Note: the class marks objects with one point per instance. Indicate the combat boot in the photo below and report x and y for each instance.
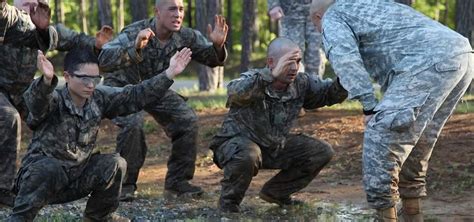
(387, 215)
(128, 193)
(282, 202)
(183, 189)
(411, 210)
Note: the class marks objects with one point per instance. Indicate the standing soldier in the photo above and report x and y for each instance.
(295, 24)
(141, 51)
(255, 135)
(20, 38)
(423, 67)
(60, 165)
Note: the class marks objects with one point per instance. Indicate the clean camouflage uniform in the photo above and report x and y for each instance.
(19, 44)
(297, 26)
(60, 166)
(129, 66)
(256, 135)
(423, 68)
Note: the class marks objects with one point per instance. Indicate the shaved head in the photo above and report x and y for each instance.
(279, 46)
(159, 3)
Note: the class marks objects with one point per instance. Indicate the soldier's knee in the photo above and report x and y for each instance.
(248, 159)
(323, 151)
(45, 169)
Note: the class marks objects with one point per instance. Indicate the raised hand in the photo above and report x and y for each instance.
(143, 37)
(104, 35)
(219, 34)
(276, 13)
(283, 64)
(45, 67)
(41, 16)
(178, 62)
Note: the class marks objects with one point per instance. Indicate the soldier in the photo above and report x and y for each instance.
(255, 134)
(423, 68)
(60, 166)
(142, 50)
(296, 25)
(20, 38)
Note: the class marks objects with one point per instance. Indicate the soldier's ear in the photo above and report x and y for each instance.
(270, 63)
(157, 11)
(66, 76)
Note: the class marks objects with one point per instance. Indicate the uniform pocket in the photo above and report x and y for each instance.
(450, 65)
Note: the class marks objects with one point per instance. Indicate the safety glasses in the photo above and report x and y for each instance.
(87, 79)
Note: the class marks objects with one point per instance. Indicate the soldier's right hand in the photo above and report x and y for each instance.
(45, 67)
(276, 13)
(178, 62)
(142, 38)
(41, 16)
(284, 63)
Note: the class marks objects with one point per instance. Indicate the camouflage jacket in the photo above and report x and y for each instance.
(381, 39)
(120, 53)
(69, 39)
(67, 133)
(266, 116)
(298, 9)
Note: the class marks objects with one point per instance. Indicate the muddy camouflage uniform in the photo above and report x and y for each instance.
(19, 44)
(128, 66)
(60, 166)
(297, 26)
(424, 69)
(256, 135)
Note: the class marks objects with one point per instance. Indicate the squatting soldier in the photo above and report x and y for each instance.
(59, 166)
(423, 68)
(296, 25)
(142, 50)
(20, 39)
(255, 134)
(18, 54)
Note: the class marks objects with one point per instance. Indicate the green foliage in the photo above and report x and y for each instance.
(436, 9)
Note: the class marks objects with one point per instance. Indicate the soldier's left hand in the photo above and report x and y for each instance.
(219, 34)
(104, 35)
(41, 16)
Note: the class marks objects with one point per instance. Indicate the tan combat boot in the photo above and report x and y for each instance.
(411, 210)
(387, 215)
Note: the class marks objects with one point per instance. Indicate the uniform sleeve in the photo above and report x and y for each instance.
(342, 49)
(15, 21)
(323, 92)
(119, 53)
(204, 51)
(69, 39)
(120, 101)
(248, 88)
(39, 99)
(272, 4)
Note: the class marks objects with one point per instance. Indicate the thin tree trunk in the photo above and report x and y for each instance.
(189, 13)
(248, 20)
(230, 41)
(105, 13)
(83, 14)
(120, 14)
(58, 11)
(465, 23)
(139, 9)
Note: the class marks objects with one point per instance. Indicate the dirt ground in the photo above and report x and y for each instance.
(335, 195)
(450, 176)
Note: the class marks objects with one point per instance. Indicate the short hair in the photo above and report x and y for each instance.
(279, 46)
(78, 57)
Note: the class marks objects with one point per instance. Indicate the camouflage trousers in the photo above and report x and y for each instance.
(180, 124)
(300, 161)
(10, 137)
(45, 181)
(304, 33)
(400, 137)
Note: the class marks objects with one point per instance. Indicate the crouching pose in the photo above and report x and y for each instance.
(255, 134)
(60, 166)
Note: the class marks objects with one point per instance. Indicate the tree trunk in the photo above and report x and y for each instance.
(58, 11)
(139, 10)
(189, 13)
(120, 15)
(248, 21)
(465, 23)
(406, 2)
(210, 79)
(83, 14)
(105, 13)
(230, 41)
(255, 30)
